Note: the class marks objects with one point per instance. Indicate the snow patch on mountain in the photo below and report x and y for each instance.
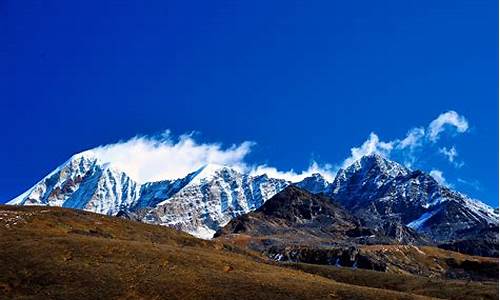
(418, 223)
(215, 195)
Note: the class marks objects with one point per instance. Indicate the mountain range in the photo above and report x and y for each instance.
(379, 196)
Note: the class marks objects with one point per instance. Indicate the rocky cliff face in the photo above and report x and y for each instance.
(299, 218)
(296, 216)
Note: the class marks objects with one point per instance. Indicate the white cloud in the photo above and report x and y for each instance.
(474, 183)
(439, 177)
(450, 118)
(291, 175)
(414, 138)
(449, 153)
(370, 146)
(147, 159)
(408, 148)
(151, 159)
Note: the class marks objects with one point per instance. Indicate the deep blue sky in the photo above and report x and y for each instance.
(305, 80)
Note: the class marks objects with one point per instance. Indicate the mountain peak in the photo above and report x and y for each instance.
(378, 163)
(375, 159)
(88, 154)
(211, 167)
(86, 160)
(208, 171)
(294, 202)
(316, 183)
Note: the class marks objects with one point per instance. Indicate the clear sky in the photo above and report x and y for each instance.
(306, 81)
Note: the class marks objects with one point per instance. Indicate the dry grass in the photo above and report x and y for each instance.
(434, 262)
(447, 289)
(54, 253)
(430, 252)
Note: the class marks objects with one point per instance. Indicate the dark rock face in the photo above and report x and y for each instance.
(482, 242)
(295, 216)
(294, 212)
(472, 270)
(124, 215)
(297, 206)
(401, 233)
(298, 226)
(348, 256)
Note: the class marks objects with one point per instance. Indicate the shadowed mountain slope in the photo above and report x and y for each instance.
(296, 216)
(297, 226)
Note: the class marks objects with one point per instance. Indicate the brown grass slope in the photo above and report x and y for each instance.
(433, 262)
(452, 289)
(54, 253)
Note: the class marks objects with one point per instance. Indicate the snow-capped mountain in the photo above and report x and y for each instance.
(83, 182)
(199, 203)
(378, 190)
(214, 196)
(381, 192)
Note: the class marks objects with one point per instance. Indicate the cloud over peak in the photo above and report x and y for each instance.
(416, 138)
(413, 139)
(451, 154)
(438, 176)
(370, 146)
(147, 159)
(449, 118)
(325, 170)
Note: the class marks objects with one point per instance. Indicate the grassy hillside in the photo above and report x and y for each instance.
(54, 253)
(449, 289)
(433, 262)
